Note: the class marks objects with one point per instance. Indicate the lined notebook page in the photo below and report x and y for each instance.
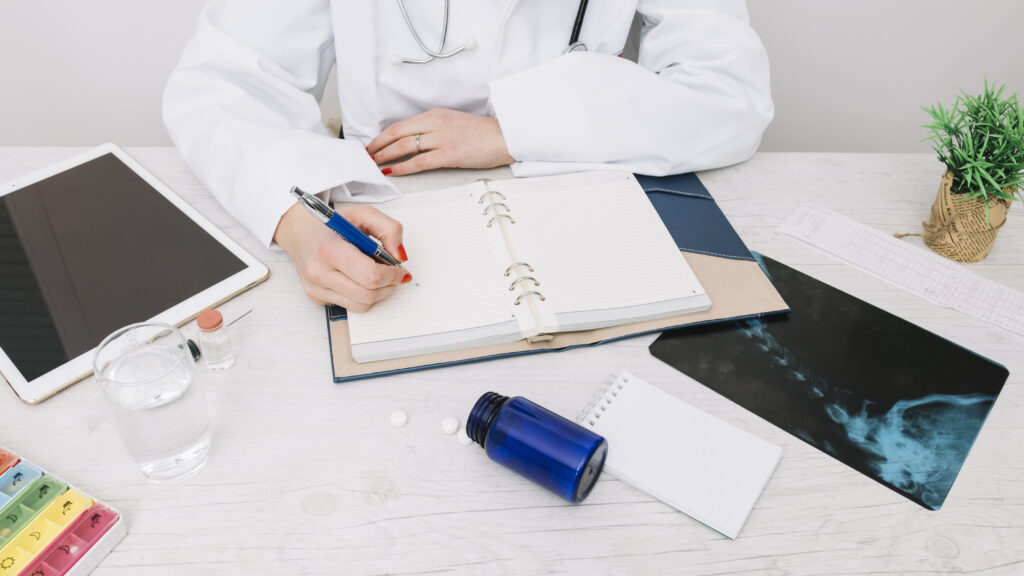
(457, 270)
(596, 242)
(698, 464)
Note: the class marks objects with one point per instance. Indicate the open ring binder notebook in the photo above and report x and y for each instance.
(529, 292)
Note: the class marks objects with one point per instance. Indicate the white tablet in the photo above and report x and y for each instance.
(92, 244)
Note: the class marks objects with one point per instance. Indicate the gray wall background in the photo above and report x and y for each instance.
(848, 75)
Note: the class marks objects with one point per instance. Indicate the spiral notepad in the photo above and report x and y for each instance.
(696, 463)
(499, 261)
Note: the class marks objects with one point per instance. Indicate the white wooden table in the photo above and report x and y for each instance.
(309, 477)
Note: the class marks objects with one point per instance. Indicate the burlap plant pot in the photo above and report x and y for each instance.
(958, 228)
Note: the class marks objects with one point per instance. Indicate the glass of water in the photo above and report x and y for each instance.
(152, 397)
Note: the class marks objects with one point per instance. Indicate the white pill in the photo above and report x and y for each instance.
(399, 418)
(450, 425)
(464, 438)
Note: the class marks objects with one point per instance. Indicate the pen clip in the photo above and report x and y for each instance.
(313, 203)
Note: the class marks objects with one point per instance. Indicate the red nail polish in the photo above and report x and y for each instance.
(386, 171)
(401, 253)
(407, 278)
(371, 157)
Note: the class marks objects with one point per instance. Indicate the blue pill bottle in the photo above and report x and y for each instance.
(554, 452)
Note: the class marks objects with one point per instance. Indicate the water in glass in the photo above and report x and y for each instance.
(158, 408)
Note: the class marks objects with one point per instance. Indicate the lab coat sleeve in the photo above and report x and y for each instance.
(698, 99)
(242, 109)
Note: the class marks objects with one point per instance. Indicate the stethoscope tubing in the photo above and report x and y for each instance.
(574, 37)
(431, 54)
(577, 25)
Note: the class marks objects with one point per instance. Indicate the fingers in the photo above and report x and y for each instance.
(401, 148)
(365, 272)
(334, 271)
(420, 163)
(337, 288)
(341, 274)
(387, 137)
(322, 295)
(377, 224)
(448, 139)
(411, 126)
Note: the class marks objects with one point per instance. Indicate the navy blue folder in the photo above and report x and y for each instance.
(725, 267)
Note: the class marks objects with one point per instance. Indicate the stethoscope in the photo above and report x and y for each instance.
(574, 43)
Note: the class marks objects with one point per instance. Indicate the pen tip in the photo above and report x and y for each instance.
(296, 192)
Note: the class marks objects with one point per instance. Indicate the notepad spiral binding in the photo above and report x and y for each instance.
(519, 279)
(493, 207)
(497, 207)
(603, 400)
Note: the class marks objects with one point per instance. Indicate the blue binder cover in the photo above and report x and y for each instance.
(693, 217)
(700, 229)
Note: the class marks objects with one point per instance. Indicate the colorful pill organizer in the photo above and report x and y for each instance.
(48, 528)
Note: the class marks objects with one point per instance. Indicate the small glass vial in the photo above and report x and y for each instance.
(556, 453)
(214, 341)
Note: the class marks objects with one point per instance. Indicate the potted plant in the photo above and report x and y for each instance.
(981, 142)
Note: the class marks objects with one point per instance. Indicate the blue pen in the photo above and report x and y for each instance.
(344, 228)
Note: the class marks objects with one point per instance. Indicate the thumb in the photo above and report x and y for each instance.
(379, 225)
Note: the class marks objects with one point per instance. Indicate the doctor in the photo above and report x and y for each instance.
(242, 105)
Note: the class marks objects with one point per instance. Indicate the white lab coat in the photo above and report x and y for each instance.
(242, 105)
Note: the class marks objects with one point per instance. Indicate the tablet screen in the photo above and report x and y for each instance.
(89, 250)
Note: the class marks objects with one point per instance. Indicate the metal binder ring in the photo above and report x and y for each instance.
(488, 193)
(496, 216)
(495, 205)
(516, 265)
(528, 293)
(512, 286)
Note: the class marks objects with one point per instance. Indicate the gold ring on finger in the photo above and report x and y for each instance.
(418, 149)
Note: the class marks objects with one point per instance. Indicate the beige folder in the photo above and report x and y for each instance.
(738, 289)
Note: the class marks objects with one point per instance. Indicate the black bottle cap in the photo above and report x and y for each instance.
(194, 349)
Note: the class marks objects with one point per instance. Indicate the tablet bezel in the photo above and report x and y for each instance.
(80, 367)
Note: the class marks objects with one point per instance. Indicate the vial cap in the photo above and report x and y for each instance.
(209, 320)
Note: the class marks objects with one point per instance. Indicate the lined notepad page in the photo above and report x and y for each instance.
(597, 243)
(698, 464)
(456, 267)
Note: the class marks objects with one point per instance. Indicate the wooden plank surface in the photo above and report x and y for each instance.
(309, 477)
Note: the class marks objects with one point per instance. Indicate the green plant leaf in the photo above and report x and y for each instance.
(980, 139)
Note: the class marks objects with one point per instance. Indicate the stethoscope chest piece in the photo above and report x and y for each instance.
(575, 47)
